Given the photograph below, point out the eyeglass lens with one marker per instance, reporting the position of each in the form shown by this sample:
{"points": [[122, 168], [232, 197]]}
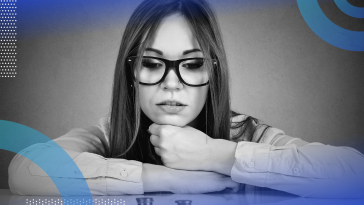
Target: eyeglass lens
{"points": [[192, 71]]}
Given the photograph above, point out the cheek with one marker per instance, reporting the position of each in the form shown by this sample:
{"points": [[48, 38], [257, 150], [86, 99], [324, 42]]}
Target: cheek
{"points": [[199, 98], [145, 98]]}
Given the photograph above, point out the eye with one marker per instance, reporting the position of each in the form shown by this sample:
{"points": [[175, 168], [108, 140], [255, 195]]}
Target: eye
{"points": [[152, 63], [193, 64]]}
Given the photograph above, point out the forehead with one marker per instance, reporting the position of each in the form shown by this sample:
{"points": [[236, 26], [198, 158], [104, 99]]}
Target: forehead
{"points": [[173, 36]]}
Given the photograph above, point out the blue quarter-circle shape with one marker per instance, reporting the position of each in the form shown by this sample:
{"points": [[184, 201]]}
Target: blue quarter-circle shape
{"points": [[16, 137], [348, 9], [327, 30]]}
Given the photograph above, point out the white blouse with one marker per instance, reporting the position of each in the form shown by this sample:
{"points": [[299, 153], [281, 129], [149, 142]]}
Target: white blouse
{"points": [[276, 161]]}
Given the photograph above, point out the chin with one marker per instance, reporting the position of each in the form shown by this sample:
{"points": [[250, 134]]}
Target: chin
{"points": [[172, 120]]}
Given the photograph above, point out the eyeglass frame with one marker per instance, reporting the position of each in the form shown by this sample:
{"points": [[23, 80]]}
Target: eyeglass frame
{"points": [[174, 65]]}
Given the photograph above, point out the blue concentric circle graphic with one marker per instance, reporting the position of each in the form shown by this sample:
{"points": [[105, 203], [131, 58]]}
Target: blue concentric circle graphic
{"points": [[349, 9], [327, 30], [53, 159]]}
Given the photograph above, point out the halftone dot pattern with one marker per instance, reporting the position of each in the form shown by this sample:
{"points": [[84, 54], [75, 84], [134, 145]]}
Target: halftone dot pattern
{"points": [[74, 201], [8, 39]]}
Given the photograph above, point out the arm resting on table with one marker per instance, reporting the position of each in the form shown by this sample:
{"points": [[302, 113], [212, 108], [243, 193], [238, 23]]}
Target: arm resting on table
{"points": [[87, 147], [306, 169]]}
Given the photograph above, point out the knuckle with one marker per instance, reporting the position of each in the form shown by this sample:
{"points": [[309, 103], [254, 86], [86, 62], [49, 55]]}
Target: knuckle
{"points": [[165, 130], [163, 153], [165, 159], [163, 144]]}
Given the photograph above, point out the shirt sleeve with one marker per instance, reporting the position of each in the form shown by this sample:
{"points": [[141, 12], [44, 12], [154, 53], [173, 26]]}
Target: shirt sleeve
{"points": [[281, 162], [87, 147]]}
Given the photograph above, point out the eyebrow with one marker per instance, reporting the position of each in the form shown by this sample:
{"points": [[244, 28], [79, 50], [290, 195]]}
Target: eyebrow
{"points": [[191, 51], [184, 52]]}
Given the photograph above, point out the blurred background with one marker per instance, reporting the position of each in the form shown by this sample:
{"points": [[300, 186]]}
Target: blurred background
{"points": [[281, 71]]}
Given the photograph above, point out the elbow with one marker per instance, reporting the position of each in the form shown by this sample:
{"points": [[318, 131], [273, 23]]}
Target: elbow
{"points": [[15, 170], [23, 182]]}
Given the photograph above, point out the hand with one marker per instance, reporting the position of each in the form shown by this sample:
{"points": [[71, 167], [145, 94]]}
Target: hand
{"points": [[190, 149], [181, 147]]}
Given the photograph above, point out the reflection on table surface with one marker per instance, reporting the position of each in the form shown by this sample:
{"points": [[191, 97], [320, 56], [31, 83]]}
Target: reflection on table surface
{"points": [[250, 196]]}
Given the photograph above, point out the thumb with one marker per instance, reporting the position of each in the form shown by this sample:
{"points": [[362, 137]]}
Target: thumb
{"points": [[229, 183]]}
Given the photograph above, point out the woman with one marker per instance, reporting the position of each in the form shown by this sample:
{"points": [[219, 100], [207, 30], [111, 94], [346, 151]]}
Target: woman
{"points": [[171, 128]]}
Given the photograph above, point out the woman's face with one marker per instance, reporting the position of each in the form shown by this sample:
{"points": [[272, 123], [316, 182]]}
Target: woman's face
{"points": [[173, 40]]}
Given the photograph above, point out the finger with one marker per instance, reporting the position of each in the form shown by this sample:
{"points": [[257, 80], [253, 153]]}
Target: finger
{"points": [[232, 184], [154, 129], [236, 189], [154, 139], [157, 151]]}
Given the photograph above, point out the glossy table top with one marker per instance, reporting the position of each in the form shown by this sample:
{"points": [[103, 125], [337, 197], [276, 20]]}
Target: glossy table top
{"points": [[254, 196]]}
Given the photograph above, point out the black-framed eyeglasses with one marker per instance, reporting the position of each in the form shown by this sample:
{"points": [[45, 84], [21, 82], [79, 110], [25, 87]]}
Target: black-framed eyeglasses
{"points": [[153, 70]]}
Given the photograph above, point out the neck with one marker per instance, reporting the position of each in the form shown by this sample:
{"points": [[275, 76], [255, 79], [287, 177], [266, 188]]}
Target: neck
{"points": [[199, 122]]}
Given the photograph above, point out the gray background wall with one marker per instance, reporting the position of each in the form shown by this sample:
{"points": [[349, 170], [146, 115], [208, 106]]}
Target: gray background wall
{"points": [[281, 72]]}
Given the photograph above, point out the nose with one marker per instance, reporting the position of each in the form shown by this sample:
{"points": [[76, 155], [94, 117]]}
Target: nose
{"points": [[171, 82]]}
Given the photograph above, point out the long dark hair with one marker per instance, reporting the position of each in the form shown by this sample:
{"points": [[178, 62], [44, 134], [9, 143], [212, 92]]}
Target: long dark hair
{"points": [[128, 124]]}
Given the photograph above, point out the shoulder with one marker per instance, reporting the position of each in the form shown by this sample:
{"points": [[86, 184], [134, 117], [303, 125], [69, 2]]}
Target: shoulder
{"points": [[248, 128], [238, 118], [104, 125]]}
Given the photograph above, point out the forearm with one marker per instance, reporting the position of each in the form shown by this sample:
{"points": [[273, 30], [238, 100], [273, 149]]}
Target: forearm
{"points": [[313, 170], [104, 176], [29, 178], [155, 178], [160, 178], [90, 139]]}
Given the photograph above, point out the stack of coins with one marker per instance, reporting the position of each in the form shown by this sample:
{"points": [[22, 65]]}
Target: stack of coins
{"points": [[184, 202], [145, 201]]}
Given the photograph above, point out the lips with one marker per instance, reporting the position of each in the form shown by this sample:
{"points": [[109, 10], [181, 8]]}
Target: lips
{"points": [[171, 106], [171, 103]]}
